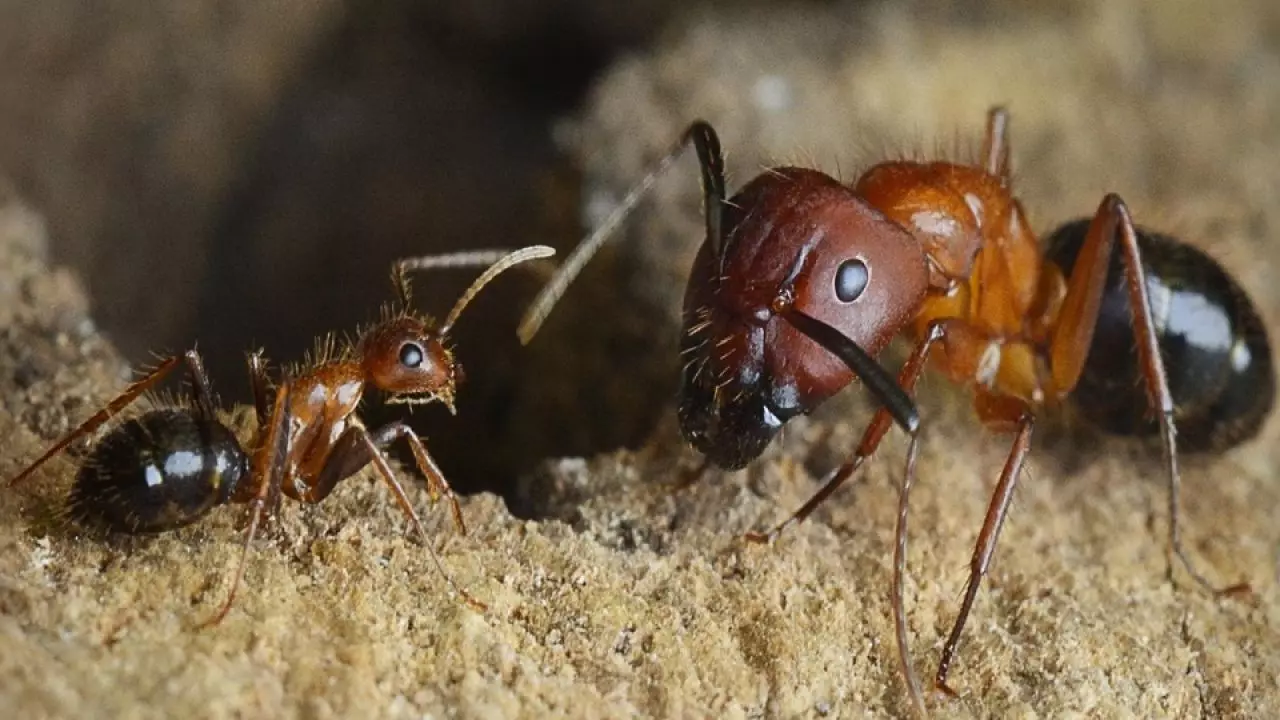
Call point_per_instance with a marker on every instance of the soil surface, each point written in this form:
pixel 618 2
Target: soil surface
pixel 610 593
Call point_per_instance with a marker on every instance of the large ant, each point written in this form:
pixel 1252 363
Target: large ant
pixel 168 467
pixel 802 280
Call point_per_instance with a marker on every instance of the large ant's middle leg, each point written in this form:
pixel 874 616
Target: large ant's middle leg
pixel 1074 336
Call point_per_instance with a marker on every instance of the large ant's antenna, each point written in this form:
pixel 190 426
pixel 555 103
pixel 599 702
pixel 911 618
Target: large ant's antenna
pixel 707 144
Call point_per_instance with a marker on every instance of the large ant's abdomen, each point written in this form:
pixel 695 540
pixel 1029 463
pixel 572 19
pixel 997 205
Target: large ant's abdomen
pixel 1215 349
pixel 159 471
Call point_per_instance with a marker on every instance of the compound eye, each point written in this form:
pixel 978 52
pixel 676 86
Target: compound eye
pixel 851 279
pixel 411 355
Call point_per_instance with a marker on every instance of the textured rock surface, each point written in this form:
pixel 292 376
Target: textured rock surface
pixel 625 599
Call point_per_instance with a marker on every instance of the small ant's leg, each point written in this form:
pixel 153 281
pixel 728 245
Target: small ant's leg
pixel 1003 414
pixel 370 445
pixel 995 145
pixel 711 163
pixel 200 389
pixel 260 384
pixel 351 453
pixel 437 485
pixel 270 464
pixel 1074 336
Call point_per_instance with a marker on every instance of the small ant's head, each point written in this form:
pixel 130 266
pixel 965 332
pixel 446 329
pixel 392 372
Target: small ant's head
pixel 406 357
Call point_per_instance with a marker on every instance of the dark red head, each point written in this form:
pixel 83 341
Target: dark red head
pixel 795 241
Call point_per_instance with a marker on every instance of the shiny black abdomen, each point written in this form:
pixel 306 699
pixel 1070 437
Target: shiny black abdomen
pixel 1213 343
pixel 159 471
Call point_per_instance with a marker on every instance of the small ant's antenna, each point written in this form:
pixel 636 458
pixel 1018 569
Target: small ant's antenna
pixel 533 252
pixel 446 261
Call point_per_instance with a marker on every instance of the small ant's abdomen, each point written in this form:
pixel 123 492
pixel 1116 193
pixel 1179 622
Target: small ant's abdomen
pixel 159 471
pixel 1215 348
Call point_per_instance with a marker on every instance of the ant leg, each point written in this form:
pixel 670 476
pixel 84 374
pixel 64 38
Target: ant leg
pixel 1074 336
pixel 995 145
pixel 260 384
pixel 689 476
pixel 958 337
pixel 351 453
pixel 368 445
pixel 950 333
pixel 200 389
pixel 270 463
pixel 711 164
pixel 1004 414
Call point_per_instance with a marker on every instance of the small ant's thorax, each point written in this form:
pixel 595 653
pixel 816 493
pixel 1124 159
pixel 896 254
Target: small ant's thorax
pixel 322 402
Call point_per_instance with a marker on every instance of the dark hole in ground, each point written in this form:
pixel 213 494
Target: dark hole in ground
pixel 404 137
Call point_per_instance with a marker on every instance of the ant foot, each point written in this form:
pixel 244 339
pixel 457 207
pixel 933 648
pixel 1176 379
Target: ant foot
pixel 941 686
pixel 474 603
pixel 1239 591
pixel 758 538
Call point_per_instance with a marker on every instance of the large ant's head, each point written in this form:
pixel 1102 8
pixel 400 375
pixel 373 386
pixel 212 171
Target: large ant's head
pixel 808 284
pixel 408 355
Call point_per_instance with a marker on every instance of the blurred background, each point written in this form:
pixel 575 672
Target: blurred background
pixel 240 174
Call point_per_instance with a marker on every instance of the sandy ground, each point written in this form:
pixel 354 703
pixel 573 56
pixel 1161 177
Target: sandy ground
pixel 626 599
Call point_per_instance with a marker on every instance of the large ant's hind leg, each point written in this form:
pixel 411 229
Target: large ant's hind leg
pixel 200 392
pixel 1074 336
pixel 270 464
pixel 357 448
pixel 1001 414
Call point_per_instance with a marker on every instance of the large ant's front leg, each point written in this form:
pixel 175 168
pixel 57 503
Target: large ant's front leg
pixel 896 405
pixel 201 395
pixel 1074 336
pixel 356 448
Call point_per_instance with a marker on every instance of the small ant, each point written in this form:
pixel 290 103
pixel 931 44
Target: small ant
pixel 801 281
pixel 169 466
